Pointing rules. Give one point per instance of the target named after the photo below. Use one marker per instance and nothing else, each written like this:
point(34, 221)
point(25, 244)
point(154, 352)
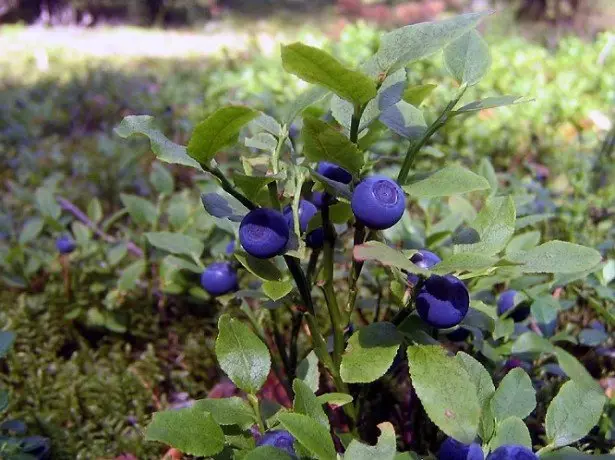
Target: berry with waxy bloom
point(512, 452)
point(264, 233)
point(423, 259)
point(65, 244)
point(219, 278)
point(451, 449)
point(334, 172)
point(280, 439)
point(443, 301)
point(378, 202)
point(306, 211)
point(506, 302)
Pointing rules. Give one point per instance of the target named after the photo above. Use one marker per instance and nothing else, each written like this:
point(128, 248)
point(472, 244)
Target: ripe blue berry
point(443, 301)
point(451, 449)
point(423, 259)
point(319, 199)
point(219, 278)
point(230, 247)
point(306, 211)
point(333, 172)
point(506, 301)
point(512, 452)
point(264, 233)
point(65, 244)
point(378, 202)
point(279, 439)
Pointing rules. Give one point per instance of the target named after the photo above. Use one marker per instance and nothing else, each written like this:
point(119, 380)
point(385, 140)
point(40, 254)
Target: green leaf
point(385, 448)
point(451, 180)
point(262, 141)
point(526, 221)
point(268, 124)
point(464, 261)
point(163, 148)
point(95, 212)
point(316, 66)
point(228, 411)
point(47, 204)
point(251, 185)
point(191, 430)
point(557, 257)
point(515, 396)
point(311, 434)
point(7, 338)
point(176, 243)
point(417, 41)
point(415, 95)
point(572, 414)
point(267, 453)
point(468, 58)
point(544, 309)
point(218, 130)
point(530, 342)
point(336, 399)
point(380, 252)
point(490, 103)
point(478, 375)
point(303, 101)
point(511, 430)
point(130, 275)
point(576, 371)
point(4, 400)
point(308, 371)
point(445, 390)
point(494, 226)
point(485, 169)
point(265, 269)
point(322, 142)
point(32, 229)
point(370, 352)
point(404, 119)
point(275, 290)
point(116, 253)
point(161, 179)
point(306, 403)
point(242, 355)
point(141, 210)
point(523, 242)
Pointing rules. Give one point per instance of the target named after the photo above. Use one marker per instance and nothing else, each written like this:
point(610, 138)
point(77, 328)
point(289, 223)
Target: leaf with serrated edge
point(557, 257)
point(311, 434)
point(242, 355)
point(445, 390)
point(451, 180)
point(228, 411)
point(190, 430)
point(306, 403)
point(511, 431)
point(515, 396)
point(468, 58)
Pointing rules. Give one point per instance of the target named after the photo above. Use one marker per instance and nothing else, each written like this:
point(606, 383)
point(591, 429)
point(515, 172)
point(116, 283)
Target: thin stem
point(228, 187)
point(279, 340)
point(355, 271)
point(416, 146)
point(272, 187)
point(257, 412)
point(355, 122)
point(311, 268)
point(294, 346)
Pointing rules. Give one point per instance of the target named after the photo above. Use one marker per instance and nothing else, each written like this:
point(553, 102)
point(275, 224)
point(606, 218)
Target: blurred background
point(70, 70)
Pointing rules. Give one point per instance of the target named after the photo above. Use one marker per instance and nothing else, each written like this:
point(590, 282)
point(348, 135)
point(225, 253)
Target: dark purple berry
point(334, 172)
point(279, 439)
point(378, 202)
point(320, 198)
point(451, 449)
point(306, 211)
point(65, 244)
point(230, 248)
point(219, 278)
point(511, 452)
point(264, 233)
point(506, 302)
point(458, 335)
point(423, 259)
point(443, 301)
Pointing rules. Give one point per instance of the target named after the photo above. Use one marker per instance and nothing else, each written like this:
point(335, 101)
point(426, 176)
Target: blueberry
point(423, 259)
point(319, 199)
point(511, 452)
point(306, 211)
point(451, 449)
point(443, 301)
point(65, 244)
point(333, 172)
point(279, 439)
point(264, 233)
point(378, 202)
point(506, 301)
point(458, 335)
point(230, 247)
point(219, 278)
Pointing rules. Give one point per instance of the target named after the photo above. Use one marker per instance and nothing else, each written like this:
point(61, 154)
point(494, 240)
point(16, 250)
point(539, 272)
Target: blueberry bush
point(340, 339)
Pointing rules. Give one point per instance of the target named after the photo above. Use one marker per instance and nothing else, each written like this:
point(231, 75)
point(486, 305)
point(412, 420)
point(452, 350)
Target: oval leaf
point(468, 58)
point(557, 257)
point(514, 397)
point(511, 431)
point(311, 434)
point(451, 180)
point(385, 448)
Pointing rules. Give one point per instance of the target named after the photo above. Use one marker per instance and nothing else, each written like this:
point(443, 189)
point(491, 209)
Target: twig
point(75, 211)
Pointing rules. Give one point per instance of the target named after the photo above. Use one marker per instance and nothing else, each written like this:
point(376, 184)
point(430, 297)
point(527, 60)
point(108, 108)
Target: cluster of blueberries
point(450, 449)
point(378, 202)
